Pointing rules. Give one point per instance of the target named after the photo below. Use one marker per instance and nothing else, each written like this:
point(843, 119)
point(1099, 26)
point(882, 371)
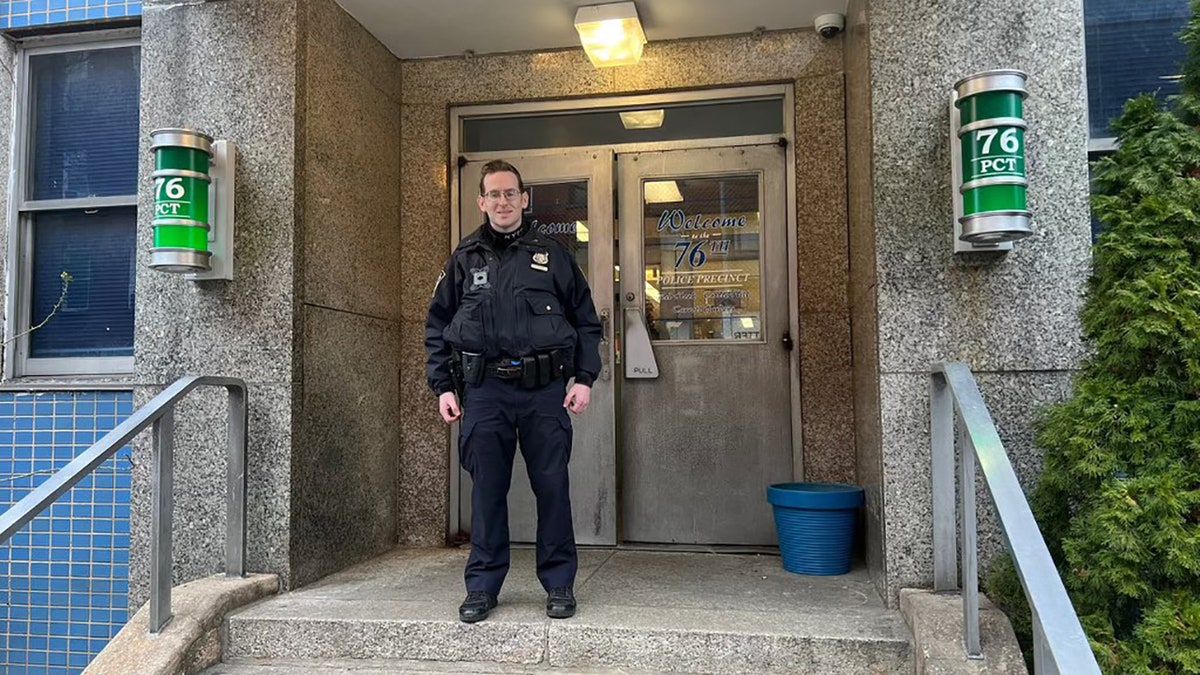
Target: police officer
point(511, 320)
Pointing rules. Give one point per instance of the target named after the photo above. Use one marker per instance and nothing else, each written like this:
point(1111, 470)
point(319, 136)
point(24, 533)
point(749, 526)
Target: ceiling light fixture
point(611, 34)
point(662, 192)
point(642, 119)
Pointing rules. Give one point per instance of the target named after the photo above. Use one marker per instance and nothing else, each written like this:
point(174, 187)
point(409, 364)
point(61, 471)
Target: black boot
point(560, 603)
point(476, 606)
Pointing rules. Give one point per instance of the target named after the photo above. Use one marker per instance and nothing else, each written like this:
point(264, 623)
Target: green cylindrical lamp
point(181, 180)
point(992, 136)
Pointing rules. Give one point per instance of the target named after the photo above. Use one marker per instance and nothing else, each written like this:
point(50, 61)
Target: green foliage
point(1119, 499)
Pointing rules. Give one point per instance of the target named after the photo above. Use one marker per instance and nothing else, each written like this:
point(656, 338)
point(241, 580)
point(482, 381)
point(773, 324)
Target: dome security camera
point(829, 25)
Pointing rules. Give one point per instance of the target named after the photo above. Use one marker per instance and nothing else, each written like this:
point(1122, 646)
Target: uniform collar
point(497, 239)
point(530, 238)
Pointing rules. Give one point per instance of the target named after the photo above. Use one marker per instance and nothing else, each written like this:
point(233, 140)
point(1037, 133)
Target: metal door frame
point(784, 90)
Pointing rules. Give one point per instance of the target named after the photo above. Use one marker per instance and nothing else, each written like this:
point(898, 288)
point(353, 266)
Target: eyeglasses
point(495, 195)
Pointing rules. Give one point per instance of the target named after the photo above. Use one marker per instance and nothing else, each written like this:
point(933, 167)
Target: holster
point(472, 368)
point(456, 376)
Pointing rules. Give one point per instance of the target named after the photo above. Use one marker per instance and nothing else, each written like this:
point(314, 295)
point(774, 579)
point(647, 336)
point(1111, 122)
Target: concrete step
point(393, 667)
point(655, 612)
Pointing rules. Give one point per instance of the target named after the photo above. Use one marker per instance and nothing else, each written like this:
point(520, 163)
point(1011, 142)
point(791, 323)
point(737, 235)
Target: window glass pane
point(84, 123)
point(561, 211)
point(97, 250)
point(702, 258)
point(1132, 48)
point(606, 127)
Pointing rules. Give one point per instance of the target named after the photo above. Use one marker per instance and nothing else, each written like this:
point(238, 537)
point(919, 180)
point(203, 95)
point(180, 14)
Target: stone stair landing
point(639, 611)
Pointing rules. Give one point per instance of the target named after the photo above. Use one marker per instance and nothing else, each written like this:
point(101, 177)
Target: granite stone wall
point(230, 69)
point(863, 311)
point(346, 452)
point(310, 319)
point(325, 316)
point(813, 64)
point(1012, 317)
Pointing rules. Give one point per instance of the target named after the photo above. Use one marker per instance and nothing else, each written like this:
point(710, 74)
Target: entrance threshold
point(665, 548)
point(701, 548)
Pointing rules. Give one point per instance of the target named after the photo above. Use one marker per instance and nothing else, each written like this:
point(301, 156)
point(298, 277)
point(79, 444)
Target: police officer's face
point(502, 200)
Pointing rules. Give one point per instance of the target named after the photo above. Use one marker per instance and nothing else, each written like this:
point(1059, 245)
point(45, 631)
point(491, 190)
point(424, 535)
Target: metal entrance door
point(571, 196)
point(705, 410)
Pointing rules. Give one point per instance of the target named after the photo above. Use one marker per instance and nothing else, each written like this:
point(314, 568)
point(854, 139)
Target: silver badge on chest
point(540, 261)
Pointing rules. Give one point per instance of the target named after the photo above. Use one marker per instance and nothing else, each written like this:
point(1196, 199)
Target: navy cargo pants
point(496, 413)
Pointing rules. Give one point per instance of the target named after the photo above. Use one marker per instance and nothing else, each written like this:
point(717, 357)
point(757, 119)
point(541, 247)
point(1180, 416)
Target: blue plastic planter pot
point(815, 524)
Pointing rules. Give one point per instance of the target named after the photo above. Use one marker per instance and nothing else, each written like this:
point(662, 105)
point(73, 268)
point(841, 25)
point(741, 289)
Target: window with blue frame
point(78, 216)
point(1132, 48)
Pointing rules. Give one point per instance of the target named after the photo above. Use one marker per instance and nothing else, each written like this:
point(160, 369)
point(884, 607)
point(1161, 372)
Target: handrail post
point(159, 412)
point(970, 549)
point(941, 431)
point(1060, 644)
point(235, 494)
point(1042, 663)
point(162, 507)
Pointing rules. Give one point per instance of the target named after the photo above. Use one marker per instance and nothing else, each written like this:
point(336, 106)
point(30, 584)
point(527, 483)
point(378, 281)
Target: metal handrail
point(160, 412)
point(1059, 643)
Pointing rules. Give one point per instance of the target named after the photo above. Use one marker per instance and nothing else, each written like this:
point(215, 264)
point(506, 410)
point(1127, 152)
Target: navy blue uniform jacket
point(529, 298)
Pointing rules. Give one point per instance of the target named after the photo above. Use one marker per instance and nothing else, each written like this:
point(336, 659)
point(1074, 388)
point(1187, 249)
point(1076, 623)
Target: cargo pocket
point(550, 432)
point(466, 458)
point(564, 421)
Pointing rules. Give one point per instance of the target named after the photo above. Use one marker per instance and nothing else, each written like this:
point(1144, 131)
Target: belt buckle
point(508, 371)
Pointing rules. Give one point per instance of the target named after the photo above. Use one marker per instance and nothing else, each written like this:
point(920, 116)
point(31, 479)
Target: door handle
point(606, 344)
point(787, 340)
point(639, 353)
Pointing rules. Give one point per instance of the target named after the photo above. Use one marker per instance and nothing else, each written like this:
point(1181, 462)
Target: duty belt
point(535, 370)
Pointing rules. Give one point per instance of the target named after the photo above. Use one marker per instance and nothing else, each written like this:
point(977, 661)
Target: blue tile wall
point(64, 578)
point(38, 12)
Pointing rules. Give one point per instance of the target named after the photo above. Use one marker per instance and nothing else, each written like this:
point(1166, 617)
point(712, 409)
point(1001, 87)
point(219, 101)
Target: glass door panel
point(702, 259)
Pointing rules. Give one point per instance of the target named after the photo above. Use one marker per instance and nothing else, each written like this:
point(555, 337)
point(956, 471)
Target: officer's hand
point(578, 398)
point(448, 407)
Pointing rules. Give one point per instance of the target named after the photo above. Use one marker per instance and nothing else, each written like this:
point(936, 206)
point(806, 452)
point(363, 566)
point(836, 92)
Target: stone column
point(1012, 317)
point(346, 453)
point(230, 69)
point(311, 319)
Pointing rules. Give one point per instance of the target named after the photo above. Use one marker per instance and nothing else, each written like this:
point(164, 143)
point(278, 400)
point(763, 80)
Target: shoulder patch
point(438, 282)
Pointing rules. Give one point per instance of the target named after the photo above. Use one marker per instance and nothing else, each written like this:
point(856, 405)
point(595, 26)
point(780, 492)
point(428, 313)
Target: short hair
point(499, 166)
